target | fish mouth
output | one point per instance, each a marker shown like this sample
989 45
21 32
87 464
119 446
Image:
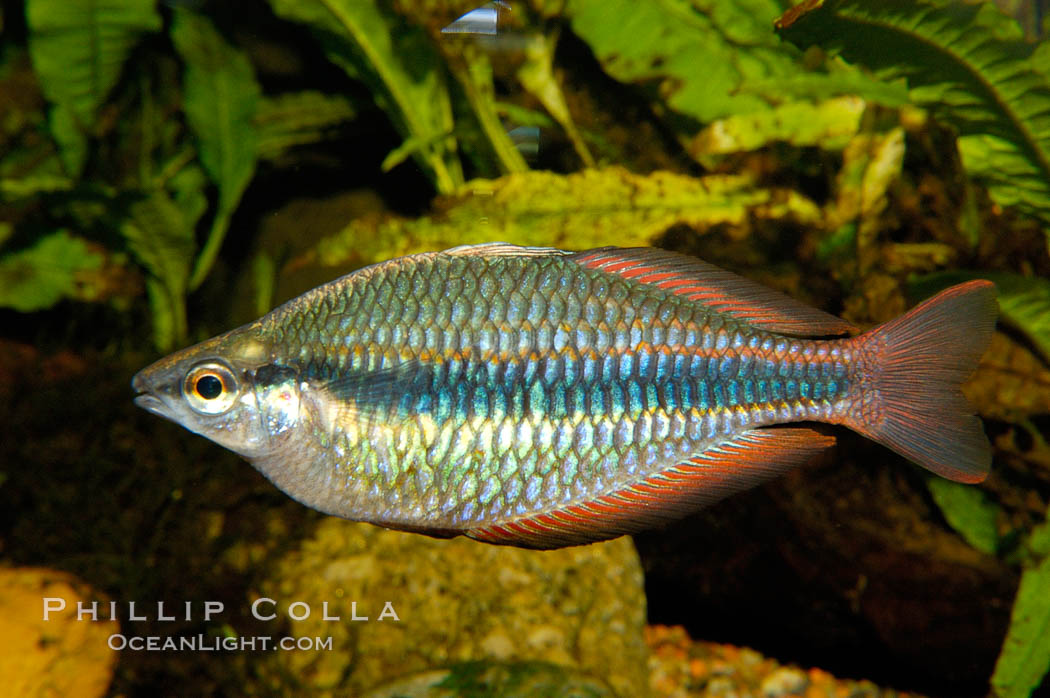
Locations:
147 400
153 404
139 383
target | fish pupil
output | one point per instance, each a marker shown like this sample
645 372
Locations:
209 387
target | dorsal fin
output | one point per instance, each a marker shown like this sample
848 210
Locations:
745 461
503 249
716 288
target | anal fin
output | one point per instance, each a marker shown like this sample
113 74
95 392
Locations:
741 463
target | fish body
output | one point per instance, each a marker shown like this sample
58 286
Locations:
542 398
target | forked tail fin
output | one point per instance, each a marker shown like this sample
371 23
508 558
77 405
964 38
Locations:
912 401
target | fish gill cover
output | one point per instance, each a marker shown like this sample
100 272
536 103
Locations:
856 153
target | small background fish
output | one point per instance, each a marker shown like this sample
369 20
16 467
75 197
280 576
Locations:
543 398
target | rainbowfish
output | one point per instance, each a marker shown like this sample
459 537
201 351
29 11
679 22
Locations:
542 398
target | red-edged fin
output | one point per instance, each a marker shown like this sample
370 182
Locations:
913 402
747 460
717 289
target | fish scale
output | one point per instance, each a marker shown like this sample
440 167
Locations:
553 353
542 398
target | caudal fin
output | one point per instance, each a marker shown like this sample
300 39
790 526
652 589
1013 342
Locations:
913 403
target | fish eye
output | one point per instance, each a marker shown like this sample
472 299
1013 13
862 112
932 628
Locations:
210 388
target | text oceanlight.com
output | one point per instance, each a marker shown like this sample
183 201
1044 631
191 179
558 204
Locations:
204 643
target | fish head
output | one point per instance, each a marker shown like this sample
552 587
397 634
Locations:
226 389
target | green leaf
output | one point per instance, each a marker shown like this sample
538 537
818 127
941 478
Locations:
695 59
1039 541
369 41
1024 302
1025 656
473 70
536 75
298 118
523 116
829 124
709 60
39 276
78 48
591 208
34 185
162 241
408 148
221 98
871 163
968 511
187 188
832 79
72 141
264 281
968 64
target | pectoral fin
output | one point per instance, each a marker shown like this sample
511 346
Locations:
381 395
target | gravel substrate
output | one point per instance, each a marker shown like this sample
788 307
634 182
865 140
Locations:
682 668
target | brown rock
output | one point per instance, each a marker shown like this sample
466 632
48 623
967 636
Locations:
60 656
456 601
